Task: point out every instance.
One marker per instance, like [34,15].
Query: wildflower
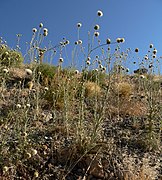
[18,106]
[142,76]
[151,45]
[88,63]
[34,152]
[28,71]
[108,41]
[67,42]
[118,40]
[97,56]
[127,69]
[28,155]
[45,30]
[46,88]
[41,25]
[36,174]
[96,34]
[99,61]
[136,50]
[99,13]
[100,66]
[88,58]
[6,53]
[76,42]
[154,56]
[79,25]
[28,105]
[122,40]
[61,60]
[45,33]
[5,168]
[80,42]
[154,51]
[5,71]
[96,27]
[34,30]
[76,72]
[146,57]
[96,70]
[104,69]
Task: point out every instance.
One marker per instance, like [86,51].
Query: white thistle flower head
[79,25]
[88,58]
[99,13]
[154,51]
[5,168]
[18,106]
[28,155]
[88,63]
[45,30]
[96,27]
[96,70]
[46,88]
[104,68]
[61,60]
[45,33]
[96,34]
[76,42]
[28,105]
[122,40]
[34,30]
[154,56]
[28,71]
[127,69]
[142,76]
[76,72]
[151,45]
[41,25]
[5,71]
[67,42]
[146,57]
[118,40]
[100,66]
[80,41]
[108,41]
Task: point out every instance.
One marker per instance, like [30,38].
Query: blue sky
[138,21]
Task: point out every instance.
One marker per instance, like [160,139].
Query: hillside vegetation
[91,123]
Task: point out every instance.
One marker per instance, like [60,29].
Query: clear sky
[138,21]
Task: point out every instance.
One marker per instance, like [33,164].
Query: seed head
[28,105]
[41,25]
[76,72]
[34,30]
[96,27]
[76,42]
[5,71]
[122,40]
[99,13]
[45,30]
[136,50]
[61,60]
[151,45]
[45,33]
[28,71]
[80,41]
[96,34]
[154,56]
[154,51]
[5,168]
[18,106]
[88,63]
[46,88]
[118,40]
[108,41]
[79,25]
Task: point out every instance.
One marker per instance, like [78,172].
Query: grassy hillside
[64,123]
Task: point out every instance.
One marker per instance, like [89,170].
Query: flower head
[34,30]
[28,71]
[61,60]
[108,41]
[99,13]
[96,34]
[79,25]
[80,41]
[41,25]
[96,27]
